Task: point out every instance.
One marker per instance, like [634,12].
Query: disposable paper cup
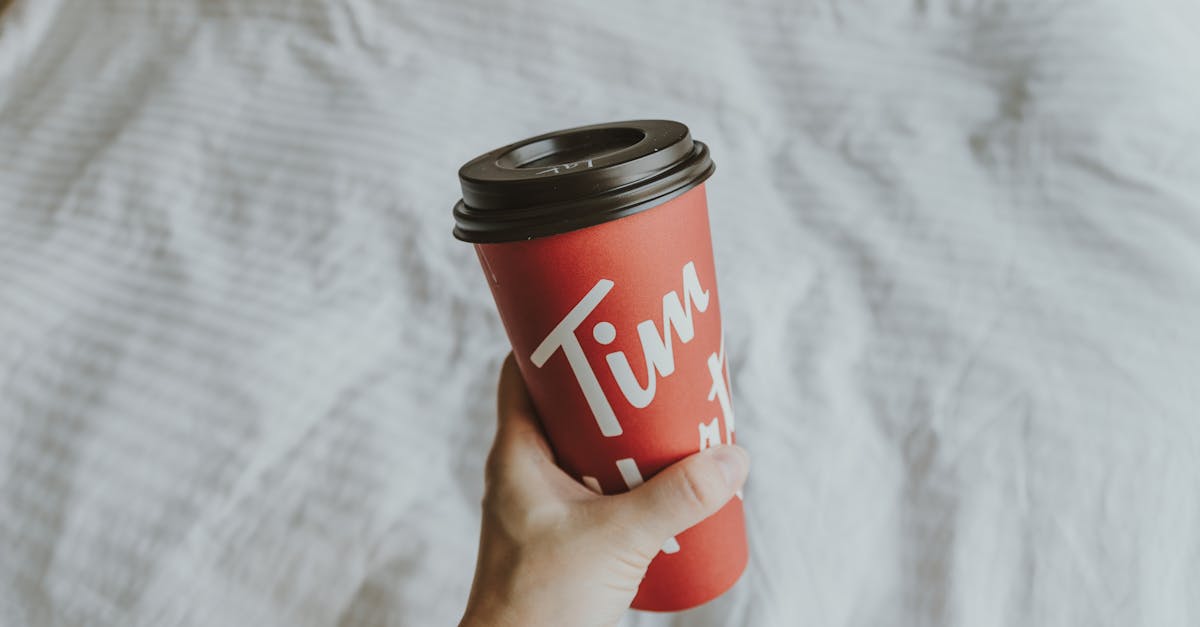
[595,242]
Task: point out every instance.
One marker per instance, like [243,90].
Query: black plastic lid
[576,178]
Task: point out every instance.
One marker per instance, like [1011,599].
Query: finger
[518,428]
[685,493]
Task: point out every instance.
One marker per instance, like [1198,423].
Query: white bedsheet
[246,374]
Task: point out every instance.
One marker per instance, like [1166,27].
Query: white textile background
[246,375]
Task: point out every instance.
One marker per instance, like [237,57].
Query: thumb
[684,493]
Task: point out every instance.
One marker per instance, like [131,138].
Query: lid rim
[503,203]
[501,231]
[659,178]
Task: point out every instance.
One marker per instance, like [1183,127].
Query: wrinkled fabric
[247,375]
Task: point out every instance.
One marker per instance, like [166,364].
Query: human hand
[551,551]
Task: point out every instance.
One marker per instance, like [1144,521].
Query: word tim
[657,349]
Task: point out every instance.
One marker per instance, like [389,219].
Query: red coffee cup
[595,242]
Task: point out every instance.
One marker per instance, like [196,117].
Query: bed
[247,375]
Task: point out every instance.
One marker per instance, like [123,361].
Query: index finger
[518,427]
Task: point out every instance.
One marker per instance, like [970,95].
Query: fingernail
[733,462]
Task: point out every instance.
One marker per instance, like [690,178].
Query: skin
[552,552]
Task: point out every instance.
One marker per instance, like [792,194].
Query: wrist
[493,614]
[470,620]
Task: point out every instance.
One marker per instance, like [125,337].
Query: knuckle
[636,559]
[520,518]
[491,499]
[493,467]
[696,488]
[634,541]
